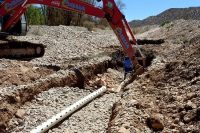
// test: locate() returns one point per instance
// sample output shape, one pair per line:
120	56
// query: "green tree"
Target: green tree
56	16
35	16
59	16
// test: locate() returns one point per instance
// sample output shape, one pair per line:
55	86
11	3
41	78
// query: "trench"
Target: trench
116	106
114	110
150	41
75	77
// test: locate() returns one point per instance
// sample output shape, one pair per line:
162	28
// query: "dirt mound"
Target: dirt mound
69	44
168	93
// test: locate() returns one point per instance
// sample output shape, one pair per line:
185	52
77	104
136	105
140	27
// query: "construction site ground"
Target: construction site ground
166	98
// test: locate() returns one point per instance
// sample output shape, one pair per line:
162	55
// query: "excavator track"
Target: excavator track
20	50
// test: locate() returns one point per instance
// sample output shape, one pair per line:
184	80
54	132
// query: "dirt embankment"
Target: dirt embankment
166	97
19	73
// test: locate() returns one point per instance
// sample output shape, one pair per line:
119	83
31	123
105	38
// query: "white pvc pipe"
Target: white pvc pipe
68	111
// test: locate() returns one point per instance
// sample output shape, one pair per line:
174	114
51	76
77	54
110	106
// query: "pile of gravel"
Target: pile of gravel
65	44
92	118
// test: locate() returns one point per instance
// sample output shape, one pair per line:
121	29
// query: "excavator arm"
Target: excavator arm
110	11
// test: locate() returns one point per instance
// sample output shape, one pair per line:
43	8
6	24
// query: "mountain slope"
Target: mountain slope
169	15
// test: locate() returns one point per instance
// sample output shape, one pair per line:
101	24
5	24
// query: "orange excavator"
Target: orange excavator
13	21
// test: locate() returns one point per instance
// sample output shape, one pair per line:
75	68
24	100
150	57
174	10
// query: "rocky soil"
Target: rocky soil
69	45
93	118
164	99
75	57
18	73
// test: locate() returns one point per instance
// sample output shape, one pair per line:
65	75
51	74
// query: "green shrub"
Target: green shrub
164	23
89	25
35	16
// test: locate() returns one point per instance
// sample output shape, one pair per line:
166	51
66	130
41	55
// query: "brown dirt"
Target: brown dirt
111	79
78	77
169	91
19	73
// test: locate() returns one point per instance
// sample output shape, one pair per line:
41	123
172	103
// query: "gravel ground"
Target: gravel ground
66	48
66	45
92	118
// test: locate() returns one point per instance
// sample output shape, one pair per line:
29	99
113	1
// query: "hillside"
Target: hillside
192	13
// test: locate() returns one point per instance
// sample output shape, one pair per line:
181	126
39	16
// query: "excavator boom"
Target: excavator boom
16	8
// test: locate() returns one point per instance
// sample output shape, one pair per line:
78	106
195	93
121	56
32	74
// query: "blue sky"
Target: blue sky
140	9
